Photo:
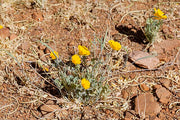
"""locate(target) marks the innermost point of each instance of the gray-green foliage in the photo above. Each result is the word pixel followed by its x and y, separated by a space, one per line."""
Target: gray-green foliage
pixel 95 70
pixel 152 29
pixel 69 82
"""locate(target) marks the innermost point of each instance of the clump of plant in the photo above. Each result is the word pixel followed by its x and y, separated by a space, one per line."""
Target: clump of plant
pixel 84 77
pixel 153 25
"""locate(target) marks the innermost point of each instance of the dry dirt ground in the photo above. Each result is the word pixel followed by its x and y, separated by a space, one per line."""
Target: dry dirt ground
pixel 138 93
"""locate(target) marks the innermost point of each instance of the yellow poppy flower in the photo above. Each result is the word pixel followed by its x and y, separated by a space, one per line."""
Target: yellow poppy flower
pixel 76 59
pixel 85 83
pixel 159 14
pixel 114 45
pixel 45 69
pixel 1 26
pixel 83 50
pixel 54 55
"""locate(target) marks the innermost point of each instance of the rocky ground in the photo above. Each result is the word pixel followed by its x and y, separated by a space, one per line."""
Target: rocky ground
pixel 145 89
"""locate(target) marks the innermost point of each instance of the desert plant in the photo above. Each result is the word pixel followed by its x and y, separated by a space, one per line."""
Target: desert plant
pixel 84 77
pixel 153 25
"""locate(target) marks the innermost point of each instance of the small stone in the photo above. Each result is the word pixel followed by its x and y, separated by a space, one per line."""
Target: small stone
pixel 132 76
pixel 163 95
pixel 50 102
pixel 127 119
pixel 165 82
pixel 49 107
pixel 144 59
pixel 13 36
pixel 157 86
pixel 38 16
pixel 144 103
pixel 124 94
pixel 132 91
pixel 4 33
pixel 129 115
pixel 144 87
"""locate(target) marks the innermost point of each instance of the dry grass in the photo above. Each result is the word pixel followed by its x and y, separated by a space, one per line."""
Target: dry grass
pixel 82 20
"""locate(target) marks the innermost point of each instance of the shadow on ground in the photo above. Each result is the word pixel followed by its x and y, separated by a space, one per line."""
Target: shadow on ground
pixel 134 34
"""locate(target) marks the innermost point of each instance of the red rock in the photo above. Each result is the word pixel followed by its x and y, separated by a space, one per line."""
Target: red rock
pixel 163 95
pixel 144 87
pixel 146 105
pixel 124 94
pixel 165 82
pixel 4 33
pixel 132 91
pixel 38 16
pixel 129 115
pixel 144 59
pixel 157 86
pixel 162 48
pixel 49 107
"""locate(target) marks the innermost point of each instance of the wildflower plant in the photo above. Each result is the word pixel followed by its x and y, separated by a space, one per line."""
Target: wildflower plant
pixel 153 25
pixel 84 77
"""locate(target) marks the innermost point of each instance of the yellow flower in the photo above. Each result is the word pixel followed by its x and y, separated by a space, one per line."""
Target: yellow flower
pixel 76 59
pixel 85 83
pixel 54 55
pixel 1 26
pixel 45 69
pixel 114 45
pixel 83 50
pixel 159 14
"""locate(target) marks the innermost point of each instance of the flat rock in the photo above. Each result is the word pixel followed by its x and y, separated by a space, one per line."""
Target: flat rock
pixel 146 105
pixel 165 82
pixel 144 59
pixel 144 87
pixel 124 94
pixel 129 115
pixel 130 92
pixel 164 48
pixel 48 107
pixel 165 45
pixel 163 95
